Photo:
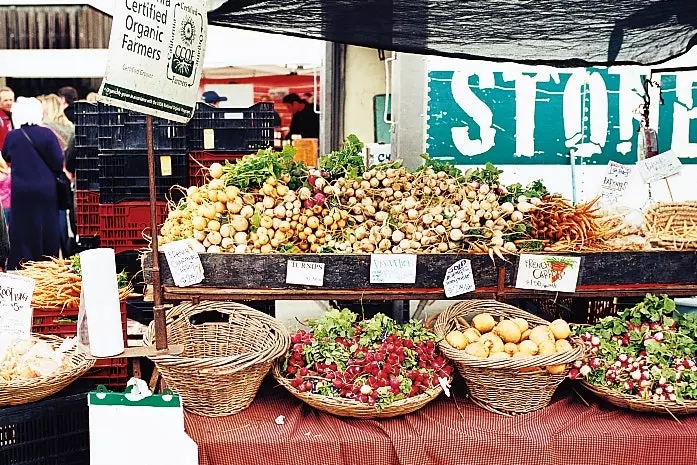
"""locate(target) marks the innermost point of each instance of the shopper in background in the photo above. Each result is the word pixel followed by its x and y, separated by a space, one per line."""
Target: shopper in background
pixel 5 190
pixel 36 158
pixel 56 121
pixel 309 98
pixel 211 97
pixel 68 96
pixel 305 122
pixel 91 97
pixel 7 99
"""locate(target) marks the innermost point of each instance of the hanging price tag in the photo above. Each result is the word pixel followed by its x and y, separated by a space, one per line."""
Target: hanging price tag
pixel 548 273
pixel 392 269
pixel 659 167
pixel 15 307
pixel 305 273
pixel 184 263
pixel 615 184
pixel 458 279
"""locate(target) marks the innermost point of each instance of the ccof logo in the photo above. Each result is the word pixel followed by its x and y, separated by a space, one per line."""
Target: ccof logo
pixel 183 57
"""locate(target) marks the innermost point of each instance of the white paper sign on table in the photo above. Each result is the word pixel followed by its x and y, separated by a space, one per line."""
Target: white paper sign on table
pixel 15 307
pixel 548 273
pixel 184 263
pixel 659 167
pixel 156 52
pixel 458 279
pixel 614 184
pixel 392 269
pixel 305 273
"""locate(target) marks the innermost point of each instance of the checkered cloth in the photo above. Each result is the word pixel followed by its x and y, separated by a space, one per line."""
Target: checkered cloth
pixel 565 433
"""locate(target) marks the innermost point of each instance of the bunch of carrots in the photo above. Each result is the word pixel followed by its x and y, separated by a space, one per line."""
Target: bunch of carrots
pixel 58 284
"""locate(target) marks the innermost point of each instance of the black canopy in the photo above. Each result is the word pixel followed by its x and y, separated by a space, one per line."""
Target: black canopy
pixel 553 32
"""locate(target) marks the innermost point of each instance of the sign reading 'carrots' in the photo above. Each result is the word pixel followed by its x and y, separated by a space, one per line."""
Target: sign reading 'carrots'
pixel 548 273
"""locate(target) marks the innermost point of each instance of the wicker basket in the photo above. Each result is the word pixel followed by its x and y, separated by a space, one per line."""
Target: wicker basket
pixel 672 226
pixel 632 402
pixel 342 407
pixel 498 385
pixel 223 364
pixel 25 391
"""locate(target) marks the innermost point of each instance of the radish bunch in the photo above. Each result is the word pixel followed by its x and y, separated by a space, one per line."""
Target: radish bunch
pixel 649 351
pixel 376 362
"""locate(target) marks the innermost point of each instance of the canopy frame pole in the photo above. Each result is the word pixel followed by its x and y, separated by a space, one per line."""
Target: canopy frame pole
pixel 158 309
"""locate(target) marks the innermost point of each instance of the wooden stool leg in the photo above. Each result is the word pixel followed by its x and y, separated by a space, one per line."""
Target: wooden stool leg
pixel 137 371
pixel 154 379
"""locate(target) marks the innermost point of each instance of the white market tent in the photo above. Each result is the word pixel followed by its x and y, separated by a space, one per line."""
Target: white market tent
pixel 230 53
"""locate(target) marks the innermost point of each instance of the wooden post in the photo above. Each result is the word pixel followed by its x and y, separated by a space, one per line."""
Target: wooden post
pixel 158 309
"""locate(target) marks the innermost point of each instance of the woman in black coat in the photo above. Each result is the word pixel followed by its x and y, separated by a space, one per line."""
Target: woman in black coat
pixel 36 158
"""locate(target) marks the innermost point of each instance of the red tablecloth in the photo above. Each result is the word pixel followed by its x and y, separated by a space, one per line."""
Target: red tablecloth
pixel 565 433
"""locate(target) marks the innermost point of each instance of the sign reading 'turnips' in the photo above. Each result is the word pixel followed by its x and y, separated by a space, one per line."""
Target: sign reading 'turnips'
pixel 155 57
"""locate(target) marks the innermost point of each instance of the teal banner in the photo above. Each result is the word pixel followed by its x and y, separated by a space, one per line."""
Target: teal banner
pixel 541 117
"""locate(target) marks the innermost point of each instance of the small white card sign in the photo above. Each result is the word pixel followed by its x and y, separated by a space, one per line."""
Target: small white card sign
pixel 458 279
pixel 305 273
pixel 659 167
pixel 15 307
pixel 392 269
pixel 548 273
pixel 614 184
pixel 184 263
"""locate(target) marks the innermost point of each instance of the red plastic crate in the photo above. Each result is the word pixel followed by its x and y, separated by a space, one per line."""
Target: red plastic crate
pixel 111 372
pixel 63 322
pixel 87 213
pixel 122 225
pixel 200 161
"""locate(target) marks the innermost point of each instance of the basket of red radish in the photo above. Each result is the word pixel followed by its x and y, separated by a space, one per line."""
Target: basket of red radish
pixel 375 368
pixel 511 361
pixel 642 359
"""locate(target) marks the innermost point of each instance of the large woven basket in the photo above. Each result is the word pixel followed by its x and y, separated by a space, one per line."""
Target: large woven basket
pixel 498 385
pixel 632 402
pixel 223 363
pixel 342 407
pixel 25 391
pixel 672 226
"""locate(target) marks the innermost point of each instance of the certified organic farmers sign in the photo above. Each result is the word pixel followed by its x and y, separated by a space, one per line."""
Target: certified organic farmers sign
pixel 155 57
pixel 515 114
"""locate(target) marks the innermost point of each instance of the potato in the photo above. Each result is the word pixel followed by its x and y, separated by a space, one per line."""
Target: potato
pixel 484 322
pixel 522 324
pixel 492 342
pixel 546 348
pixel 472 335
pixel 499 355
pixel 562 345
pixel 477 349
pixel 525 335
pixel 528 347
pixel 540 334
pixel 556 369
pixel 508 331
pixel 510 348
pixel 456 339
pixel 560 329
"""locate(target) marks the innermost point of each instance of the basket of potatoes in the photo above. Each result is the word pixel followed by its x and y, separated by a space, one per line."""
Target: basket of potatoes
pixel 512 361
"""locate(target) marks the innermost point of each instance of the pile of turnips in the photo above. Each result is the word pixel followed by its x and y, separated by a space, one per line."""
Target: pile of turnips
pixel 375 362
pixel 485 337
pixel 648 351
pixel 267 203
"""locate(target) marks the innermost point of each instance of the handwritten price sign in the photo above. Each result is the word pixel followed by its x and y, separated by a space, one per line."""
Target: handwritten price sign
pixel 548 273
pixel 15 307
pixel 392 269
pixel 184 264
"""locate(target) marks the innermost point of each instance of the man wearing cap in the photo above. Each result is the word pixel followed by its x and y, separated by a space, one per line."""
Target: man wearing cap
pixel 211 97
pixel 305 122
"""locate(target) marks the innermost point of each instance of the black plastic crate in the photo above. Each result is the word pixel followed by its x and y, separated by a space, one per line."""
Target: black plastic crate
pixel 130 263
pixel 121 129
pixel 139 310
pixel 242 130
pixel 88 243
pixel 48 432
pixel 123 176
pixel 86 124
pixel 87 168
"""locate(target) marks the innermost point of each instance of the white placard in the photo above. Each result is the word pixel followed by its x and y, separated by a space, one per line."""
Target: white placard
pixel 156 55
pixel 392 269
pixel 459 279
pixel 305 273
pixel 615 184
pixel 15 307
pixel 184 263
pixel 548 273
pixel 659 167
